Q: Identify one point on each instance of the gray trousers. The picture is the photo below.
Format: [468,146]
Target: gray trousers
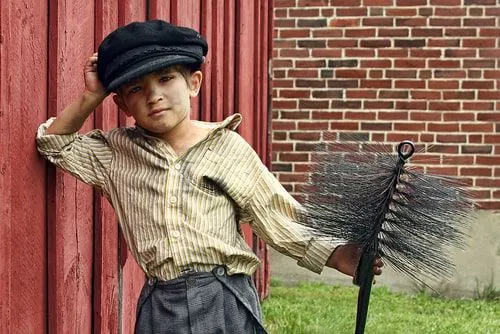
[200,302]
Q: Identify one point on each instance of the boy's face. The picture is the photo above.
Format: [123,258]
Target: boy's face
[159,101]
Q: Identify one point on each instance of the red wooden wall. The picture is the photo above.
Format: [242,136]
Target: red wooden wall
[64,267]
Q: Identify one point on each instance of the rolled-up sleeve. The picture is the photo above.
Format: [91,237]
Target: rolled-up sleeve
[273,215]
[87,157]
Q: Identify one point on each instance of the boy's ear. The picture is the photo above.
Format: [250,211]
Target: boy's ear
[195,83]
[121,104]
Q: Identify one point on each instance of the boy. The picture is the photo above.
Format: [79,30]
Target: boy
[180,187]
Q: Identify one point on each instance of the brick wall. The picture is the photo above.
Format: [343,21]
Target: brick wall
[389,70]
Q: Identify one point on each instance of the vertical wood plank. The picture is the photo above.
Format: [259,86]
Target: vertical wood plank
[23,94]
[188,13]
[245,57]
[218,59]
[229,52]
[206,89]
[106,276]
[159,9]
[132,276]
[70,205]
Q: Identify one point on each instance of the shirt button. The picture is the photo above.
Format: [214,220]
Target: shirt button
[177,166]
[173,199]
[176,234]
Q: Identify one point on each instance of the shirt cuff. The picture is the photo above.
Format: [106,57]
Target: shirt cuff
[317,253]
[52,143]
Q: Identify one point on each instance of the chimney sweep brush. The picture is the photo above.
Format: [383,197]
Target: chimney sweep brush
[402,215]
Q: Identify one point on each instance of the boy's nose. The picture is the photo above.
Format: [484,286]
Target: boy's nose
[154,94]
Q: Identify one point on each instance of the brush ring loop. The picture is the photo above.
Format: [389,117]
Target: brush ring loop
[405,153]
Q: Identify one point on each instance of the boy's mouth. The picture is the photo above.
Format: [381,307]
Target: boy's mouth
[157,112]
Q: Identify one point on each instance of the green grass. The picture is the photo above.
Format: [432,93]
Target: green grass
[321,308]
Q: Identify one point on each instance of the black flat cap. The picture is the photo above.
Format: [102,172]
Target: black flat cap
[140,48]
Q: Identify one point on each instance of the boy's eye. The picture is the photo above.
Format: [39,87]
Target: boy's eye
[165,78]
[134,89]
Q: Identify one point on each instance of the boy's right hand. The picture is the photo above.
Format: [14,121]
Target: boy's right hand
[92,83]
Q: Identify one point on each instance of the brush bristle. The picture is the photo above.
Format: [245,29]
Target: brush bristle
[422,215]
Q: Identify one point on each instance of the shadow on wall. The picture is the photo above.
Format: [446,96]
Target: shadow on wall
[477,267]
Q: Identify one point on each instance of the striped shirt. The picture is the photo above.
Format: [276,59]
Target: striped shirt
[182,213]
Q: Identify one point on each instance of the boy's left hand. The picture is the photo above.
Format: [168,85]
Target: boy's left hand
[345,258]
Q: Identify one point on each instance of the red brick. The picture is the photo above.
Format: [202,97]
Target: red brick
[350,73]
[489,32]
[411,2]
[413,127]
[331,115]
[352,11]
[343,83]
[327,94]
[377,3]
[444,106]
[293,53]
[411,105]
[328,53]
[378,22]
[294,115]
[303,12]
[443,149]
[425,95]
[481,106]
[306,136]
[477,127]
[398,137]
[391,94]
[460,53]
[342,43]
[393,53]
[359,32]
[488,116]
[456,74]
[326,33]
[446,11]
[282,83]
[393,32]
[401,73]
[443,43]
[344,126]
[458,116]
[376,84]
[283,3]
[359,53]
[294,33]
[410,63]
[458,160]
[313,104]
[279,125]
[411,22]
[282,147]
[476,149]
[489,74]
[376,126]
[283,93]
[451,138]
[426,116]
[493,53]
[312,125]
[446,2]
[417,53]
[459,95]
[292,73]
[460,32]
[353,22]
[338,104]
[482,22]
[393,115]
[284,23]
[345,3]
[360,115]
[284,104]
[450,171]
[470,84]
[443,84]
[378,105]
[479,43]
[488,95]
[447,22]
[361,94]
[443,127]
[375,43]
[279,135]
[293,157]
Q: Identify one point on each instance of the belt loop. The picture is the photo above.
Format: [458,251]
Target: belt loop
[152,281]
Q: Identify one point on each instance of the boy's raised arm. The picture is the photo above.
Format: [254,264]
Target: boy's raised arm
[72,118]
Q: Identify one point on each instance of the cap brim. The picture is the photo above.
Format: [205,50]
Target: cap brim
[147,66]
